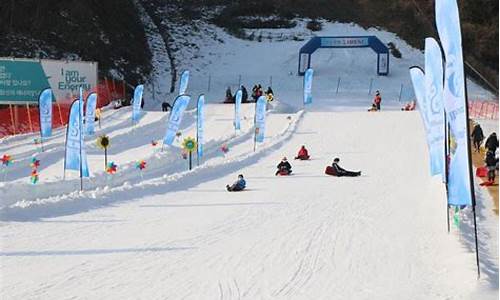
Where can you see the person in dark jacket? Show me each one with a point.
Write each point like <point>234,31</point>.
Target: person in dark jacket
<point>339,171</point>
<point>239,185</point>
<point>284,167</point>
<point>491,164</point>
<point>229,96</point>
<point>269,90</point>
<point>165,106</point>
<point>244,94</point>
<point>477,137</point>
<point>254,93</point>
<point>492,142</point>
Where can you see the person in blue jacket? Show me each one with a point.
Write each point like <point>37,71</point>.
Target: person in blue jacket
<point>239,185</point>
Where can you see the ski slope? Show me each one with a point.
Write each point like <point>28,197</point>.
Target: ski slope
<point>307,236</point>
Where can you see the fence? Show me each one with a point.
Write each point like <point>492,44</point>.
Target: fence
<point>16,119</point>
<point>483,110</point>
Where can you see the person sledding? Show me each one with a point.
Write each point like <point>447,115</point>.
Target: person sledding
<point>409,106</point>
<point>239,185</point>
<point>284,168</point>
<point>336,170</point>
<point>303,153</point>
<point>477,137</point>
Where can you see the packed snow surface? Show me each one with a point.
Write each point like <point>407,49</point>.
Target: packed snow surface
<point>169,233</point>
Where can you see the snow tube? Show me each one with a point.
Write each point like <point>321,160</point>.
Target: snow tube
<point>284,172</point>
<point>303,157</point>
<point>330,171</point>
<point>481,172</point>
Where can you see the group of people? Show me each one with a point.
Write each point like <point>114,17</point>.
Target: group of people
<point>230,98</point>
<point>491,145</point>
<point>285,169</point>
<point>256,93</point>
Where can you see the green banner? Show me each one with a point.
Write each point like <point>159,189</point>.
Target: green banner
<point>21,81</point>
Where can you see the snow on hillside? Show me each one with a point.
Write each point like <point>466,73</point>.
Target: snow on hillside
<point>171,233</point>
<point>223,60</point>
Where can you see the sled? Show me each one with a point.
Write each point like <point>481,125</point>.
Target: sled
<point>481,172</point>
<point>303,157</point>
<point>284,173</point>
<point>330,171</point>
<point>487,183</point>
<point>228,188</point>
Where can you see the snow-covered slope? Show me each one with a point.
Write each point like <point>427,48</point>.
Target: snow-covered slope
<point>170,233</point>
<point>342,76</point>
<point>307,236</point>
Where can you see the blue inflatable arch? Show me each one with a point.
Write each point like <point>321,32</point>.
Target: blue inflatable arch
<point>345,42</point>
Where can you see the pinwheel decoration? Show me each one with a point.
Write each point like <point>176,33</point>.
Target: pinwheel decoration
<point>35,163</point>
<point>103,143</point>
<point>224,148</point>
<point>7,160</point>
<point>141,165</point>
<point>34,176</point>
<point>111,168</point>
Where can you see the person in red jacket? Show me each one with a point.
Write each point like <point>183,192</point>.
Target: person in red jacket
<point>377,100</point>
<point>303,154</point>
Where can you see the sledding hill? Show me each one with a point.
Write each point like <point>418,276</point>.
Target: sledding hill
<point>166,232</point>
<point>307,236</point>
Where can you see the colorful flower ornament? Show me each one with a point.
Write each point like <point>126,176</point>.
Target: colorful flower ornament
<point>7,160</point>
<point>141,165</point>
<point>224,148</point>
<point>34,176</point>
<point>111,168</point>
<point>35,163</point>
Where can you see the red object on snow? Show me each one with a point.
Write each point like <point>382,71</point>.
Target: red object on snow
<point>481,172</point>
<point>303,154</point>
<point>330,171</point>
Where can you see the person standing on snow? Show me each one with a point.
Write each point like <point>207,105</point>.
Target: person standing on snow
<point>229,96</point>
<point>377,100</point>
<point>284,167</point>
<point>492,142</point>
<point>269,94</point>
<point>339,171</point>
<point>491,164</point>
<point>239,185</point>
<point>477,137</point>
<point>244,94</point>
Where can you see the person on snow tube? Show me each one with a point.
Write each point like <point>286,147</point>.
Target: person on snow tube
<point>284,167</point>
<point>239,185</point>
<point>303,154</point>
<point>339,171</point>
